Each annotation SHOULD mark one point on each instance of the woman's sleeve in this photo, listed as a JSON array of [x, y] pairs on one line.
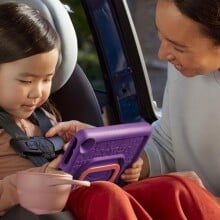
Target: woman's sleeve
[[159, 148]]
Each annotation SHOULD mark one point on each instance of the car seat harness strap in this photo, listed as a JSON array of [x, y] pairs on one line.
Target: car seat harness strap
[[38, 149]]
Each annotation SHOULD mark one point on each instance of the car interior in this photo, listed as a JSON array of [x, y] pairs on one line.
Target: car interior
[[128, 97]]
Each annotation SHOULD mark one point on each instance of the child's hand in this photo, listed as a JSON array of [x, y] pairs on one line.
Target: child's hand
[[133, 174]]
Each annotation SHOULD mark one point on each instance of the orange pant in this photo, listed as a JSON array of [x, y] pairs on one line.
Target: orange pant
[[159, 198]]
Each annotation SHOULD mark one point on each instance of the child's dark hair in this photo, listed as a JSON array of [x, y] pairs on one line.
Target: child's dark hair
[[25, 32], [205, 12]]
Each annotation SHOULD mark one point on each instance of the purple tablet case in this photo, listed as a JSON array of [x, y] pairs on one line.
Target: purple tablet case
[[103, 153]]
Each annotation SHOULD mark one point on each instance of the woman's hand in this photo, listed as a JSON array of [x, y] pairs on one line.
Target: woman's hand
[[191, 175], [67, 129], [133, 174], [218, 200]]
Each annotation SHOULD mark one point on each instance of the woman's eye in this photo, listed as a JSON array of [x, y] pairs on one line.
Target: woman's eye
[[178, 50], [25, 81]]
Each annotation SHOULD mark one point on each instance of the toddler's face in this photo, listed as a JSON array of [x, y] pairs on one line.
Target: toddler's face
[[26, 83]]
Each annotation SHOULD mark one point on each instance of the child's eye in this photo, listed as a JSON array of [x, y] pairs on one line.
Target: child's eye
[[48, 80]]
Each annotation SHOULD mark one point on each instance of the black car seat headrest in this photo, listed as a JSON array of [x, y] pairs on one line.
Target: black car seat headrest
[[55, 12]]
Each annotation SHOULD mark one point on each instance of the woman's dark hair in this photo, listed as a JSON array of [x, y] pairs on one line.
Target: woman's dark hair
[[25, 32], [205, 12]]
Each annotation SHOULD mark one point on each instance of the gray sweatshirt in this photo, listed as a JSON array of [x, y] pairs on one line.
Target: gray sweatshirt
[[187, 136]]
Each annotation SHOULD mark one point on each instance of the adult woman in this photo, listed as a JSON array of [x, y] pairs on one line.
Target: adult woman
[[186, 138]]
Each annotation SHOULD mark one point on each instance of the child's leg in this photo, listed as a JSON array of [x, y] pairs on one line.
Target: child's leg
[[173, 197], [104, 201]]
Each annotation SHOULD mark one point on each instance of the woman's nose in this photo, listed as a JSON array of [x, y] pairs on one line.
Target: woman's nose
[[165, 52]]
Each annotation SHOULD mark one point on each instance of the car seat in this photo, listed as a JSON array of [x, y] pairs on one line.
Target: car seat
[[72, 93]]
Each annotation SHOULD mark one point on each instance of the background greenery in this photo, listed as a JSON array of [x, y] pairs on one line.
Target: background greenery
[[87, 57]]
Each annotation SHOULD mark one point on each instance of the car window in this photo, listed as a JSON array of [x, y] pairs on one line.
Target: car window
[[143, 13], [88, 58]]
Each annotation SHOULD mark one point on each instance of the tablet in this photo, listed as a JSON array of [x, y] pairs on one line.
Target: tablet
[[103, 153]]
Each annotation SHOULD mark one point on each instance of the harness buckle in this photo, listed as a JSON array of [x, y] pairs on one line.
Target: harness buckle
[[36, 146]]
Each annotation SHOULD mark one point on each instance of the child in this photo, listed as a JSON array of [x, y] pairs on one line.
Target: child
[[29, 52]]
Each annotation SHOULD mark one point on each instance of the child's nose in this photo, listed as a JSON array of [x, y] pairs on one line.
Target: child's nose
[[36, 91]]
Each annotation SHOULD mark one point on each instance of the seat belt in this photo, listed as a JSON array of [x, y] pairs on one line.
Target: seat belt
[[38, 149]]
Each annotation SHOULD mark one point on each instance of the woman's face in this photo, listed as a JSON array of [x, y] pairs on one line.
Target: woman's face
[[183, 43], [25, 84]]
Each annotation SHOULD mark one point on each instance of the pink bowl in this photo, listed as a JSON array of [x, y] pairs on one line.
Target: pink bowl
[[43, 193]]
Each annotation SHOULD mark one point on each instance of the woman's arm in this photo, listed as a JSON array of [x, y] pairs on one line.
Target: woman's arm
[[8, 190], [67, 129], [8, 193]]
